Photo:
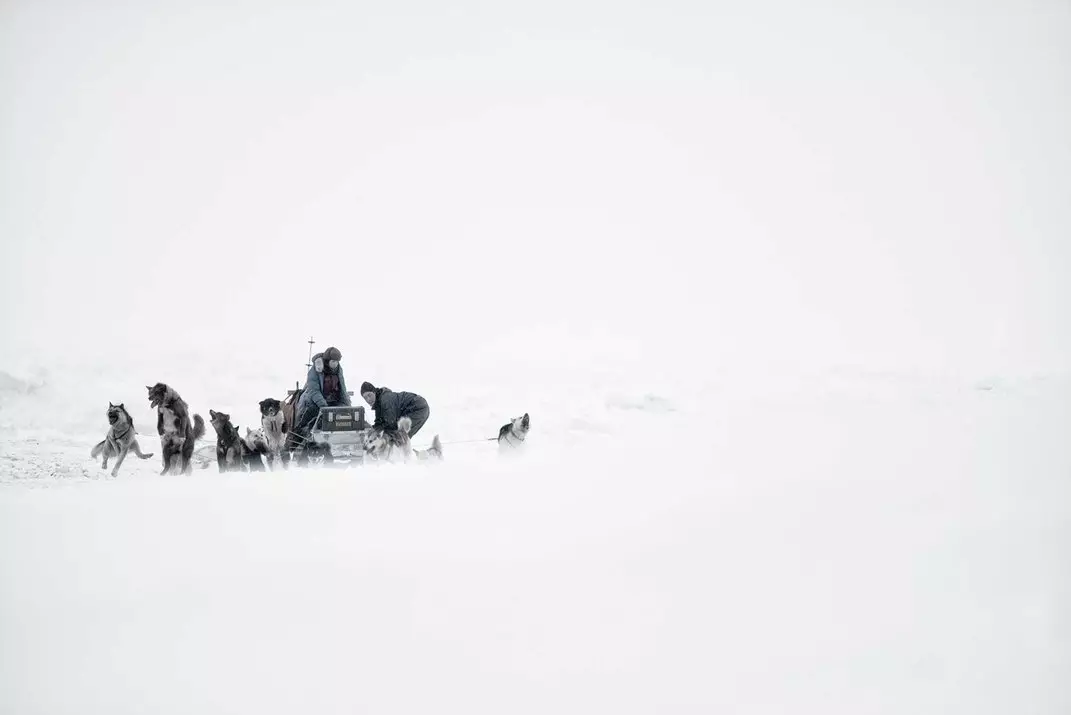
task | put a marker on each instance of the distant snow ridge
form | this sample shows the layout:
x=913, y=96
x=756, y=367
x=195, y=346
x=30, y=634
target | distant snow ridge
x=11, y=386
x=646, y=403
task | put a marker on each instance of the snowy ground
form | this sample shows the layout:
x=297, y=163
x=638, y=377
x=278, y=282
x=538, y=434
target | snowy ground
x=844, y=544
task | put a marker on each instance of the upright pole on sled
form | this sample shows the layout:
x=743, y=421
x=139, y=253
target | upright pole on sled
x=297, y=385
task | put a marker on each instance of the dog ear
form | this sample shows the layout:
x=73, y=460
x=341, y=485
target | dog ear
x=110, y=404
x=120, y=406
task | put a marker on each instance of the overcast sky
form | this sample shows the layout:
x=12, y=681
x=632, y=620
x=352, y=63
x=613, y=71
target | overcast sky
x=884, y=184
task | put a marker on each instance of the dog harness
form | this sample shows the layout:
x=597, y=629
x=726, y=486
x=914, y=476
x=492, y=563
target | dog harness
x=511, y=439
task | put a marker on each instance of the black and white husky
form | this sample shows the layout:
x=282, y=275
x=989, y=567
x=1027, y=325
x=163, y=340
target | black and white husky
x=385, y=445
x=513, y=433
x=273, y=422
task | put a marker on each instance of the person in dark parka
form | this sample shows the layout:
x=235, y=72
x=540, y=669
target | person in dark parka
x=389, y=406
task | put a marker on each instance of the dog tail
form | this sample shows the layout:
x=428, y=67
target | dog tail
x=95, y=452
x=405, y=424
x=198, y=427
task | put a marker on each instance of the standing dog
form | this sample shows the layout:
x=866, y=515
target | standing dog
x=177, y=432
x=394, y=445
x=273, y=422
x=229, y=447
x=121, y=438
x=513, y=434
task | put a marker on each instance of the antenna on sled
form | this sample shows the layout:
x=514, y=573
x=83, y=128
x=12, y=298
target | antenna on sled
x=311, y=343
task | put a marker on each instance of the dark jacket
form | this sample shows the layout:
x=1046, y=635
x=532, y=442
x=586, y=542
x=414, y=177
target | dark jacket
x=314, y=388
x=392, y=405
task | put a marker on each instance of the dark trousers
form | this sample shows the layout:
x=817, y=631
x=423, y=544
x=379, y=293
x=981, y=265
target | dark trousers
x=305, y=420
x=419, y=416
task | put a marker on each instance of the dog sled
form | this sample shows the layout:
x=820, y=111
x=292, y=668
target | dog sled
x=337, y=434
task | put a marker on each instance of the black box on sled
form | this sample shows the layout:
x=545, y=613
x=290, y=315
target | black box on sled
x=342, y=419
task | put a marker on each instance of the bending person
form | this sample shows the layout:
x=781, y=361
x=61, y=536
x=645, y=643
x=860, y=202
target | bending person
x=389, y=406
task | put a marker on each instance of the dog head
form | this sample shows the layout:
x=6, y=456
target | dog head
x=515, y=431
x=117, y=414
x=221, y=422
x=382, y=444
x=255, y=439
x=376, y=444
x=518, y=426
x=158, y=393
x=270, y=407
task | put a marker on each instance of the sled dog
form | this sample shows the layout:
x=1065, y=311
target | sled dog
x=177, y=432
x=513, y=434
x=395, y=446
x=121, y=438
x=255, y=444
x=229, y=447
x=273, y=422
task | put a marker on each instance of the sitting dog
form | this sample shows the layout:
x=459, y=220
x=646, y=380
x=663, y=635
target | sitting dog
x=513, y=434
x=273, y=422
x=395, y=446
x=177, y=432
x=229, y=446
x=255, y=443
x=121, y=439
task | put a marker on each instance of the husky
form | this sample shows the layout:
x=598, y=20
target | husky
x=395, y=446
x=229, y=447
x=122, y=437
x=513, y=434
x=254, y=444
x=275, y=426
x=177, y=432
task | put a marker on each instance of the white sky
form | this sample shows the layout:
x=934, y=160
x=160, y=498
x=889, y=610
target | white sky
x=888, y=186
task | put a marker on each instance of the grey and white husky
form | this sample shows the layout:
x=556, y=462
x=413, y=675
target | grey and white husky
x=177, y=432
x=229, y=447
x=255, y=445
x=513, y=434
x=122, y=437
x=385, y=445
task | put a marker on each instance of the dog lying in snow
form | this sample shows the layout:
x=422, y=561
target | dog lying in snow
x=273, y=422
x=121, y=439
x=513, y=434
x=177, y=432
x=394, y=445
